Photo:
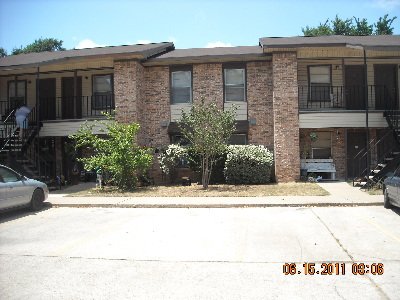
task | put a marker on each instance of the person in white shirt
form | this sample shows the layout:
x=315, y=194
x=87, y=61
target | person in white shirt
x=20, y=116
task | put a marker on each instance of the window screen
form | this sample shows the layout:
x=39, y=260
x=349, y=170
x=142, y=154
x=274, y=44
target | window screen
x=234, y=82
x=181, y=86
x=320, y=83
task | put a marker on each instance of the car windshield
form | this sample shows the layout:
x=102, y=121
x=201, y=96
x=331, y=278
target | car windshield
x=8, y=176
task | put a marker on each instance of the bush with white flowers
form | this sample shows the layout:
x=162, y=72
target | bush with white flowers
x=172, y=157
x=248, y=164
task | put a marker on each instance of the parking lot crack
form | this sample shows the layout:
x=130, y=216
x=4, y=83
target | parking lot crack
x=383, y=294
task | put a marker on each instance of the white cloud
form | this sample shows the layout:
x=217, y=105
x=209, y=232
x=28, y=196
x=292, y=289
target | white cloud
x=87, y=43
x=218, y=44
x=143, y=42
x=387, y=4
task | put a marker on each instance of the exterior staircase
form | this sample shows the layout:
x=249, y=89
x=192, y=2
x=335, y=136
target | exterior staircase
x=384, y=161
x=21, y=154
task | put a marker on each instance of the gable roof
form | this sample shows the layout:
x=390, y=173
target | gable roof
x=371, y=42
x=33, y=59
x=204, y=54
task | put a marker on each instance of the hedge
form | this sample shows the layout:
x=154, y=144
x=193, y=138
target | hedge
x=248, y=164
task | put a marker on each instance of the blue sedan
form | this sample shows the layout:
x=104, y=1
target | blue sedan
x=391, y=190
x=18, y=191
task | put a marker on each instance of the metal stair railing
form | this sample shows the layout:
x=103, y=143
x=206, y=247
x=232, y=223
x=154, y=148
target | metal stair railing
x=8, y=128
x=374, y=175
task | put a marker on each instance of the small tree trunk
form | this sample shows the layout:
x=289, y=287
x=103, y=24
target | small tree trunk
x=205, y=172
x=210, y=171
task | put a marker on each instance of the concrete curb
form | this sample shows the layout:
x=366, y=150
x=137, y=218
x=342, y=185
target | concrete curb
x=238, y=205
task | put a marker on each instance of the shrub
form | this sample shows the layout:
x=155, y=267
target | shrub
x=172, y=157
x=248, y=164
x=116, y=154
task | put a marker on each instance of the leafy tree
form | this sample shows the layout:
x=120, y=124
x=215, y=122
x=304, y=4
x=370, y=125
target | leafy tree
x=322, y=29
x=352, y=26
x=40, y=45
x=117, y=154
x=362, y=27
x=3, y=52
x=342, y=27
x=383, y=26
x=208, y=129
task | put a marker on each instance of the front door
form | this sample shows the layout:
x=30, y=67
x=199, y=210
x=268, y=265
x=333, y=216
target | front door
x=354, y=87
x=71, y=106
x=356, y=154
x=385, y=86
x=47, y=92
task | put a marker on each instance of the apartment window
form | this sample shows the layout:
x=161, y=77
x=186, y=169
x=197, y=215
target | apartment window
x=235, y=84
x=320, y=83
x=238, y=139
x=16, y=93
x=181, y=85
x=321, y=147
x=103, y=92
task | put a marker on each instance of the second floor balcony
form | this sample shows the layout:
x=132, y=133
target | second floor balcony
x=65, y=108
x=328, y=97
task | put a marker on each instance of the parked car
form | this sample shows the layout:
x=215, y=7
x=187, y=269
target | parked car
x=17, y=190
x=391, y=189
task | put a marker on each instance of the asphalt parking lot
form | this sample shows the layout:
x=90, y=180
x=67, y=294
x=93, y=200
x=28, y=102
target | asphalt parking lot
x=220, y=253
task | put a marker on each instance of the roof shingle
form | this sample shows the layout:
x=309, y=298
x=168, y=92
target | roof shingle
x=145, y=51
x=368, y=42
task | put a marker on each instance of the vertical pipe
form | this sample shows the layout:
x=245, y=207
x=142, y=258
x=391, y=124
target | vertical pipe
x=366, y=110
x=38, y=117
x=75, y=101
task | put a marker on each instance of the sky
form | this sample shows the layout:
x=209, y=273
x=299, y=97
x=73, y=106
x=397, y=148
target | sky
x=189, y=24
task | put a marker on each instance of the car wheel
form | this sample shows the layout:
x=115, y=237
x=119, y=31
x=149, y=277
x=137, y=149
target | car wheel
x=386, y=200
x=37, y=200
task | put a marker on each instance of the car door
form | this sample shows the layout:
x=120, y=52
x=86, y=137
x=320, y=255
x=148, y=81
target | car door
x=17, y=192
x=3, y=194
x=394, y=187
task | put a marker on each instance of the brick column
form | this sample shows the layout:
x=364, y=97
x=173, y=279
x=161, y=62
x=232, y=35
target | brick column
x=286, y=117
x=59, y=155
x=207, y=84
x=339, y=152
x=128, y=80
x=259, y=103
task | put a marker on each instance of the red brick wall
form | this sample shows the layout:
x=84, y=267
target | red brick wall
x=208, y=84
x=286, y=118
x=339, y=152
x=156, y=109
x=128, y=81
x=259, y=103
x=156, y=106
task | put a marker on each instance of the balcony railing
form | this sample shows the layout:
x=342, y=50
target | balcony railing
x=61, y=108
x=76, y=107
x=328, y=97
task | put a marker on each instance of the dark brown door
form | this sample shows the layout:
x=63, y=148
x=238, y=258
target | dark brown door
x=356, y=154
x=47, y=98
x=354, y=87
x=385, y=86
x=71, y=106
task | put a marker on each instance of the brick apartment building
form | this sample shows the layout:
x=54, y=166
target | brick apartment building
x=323, y=104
